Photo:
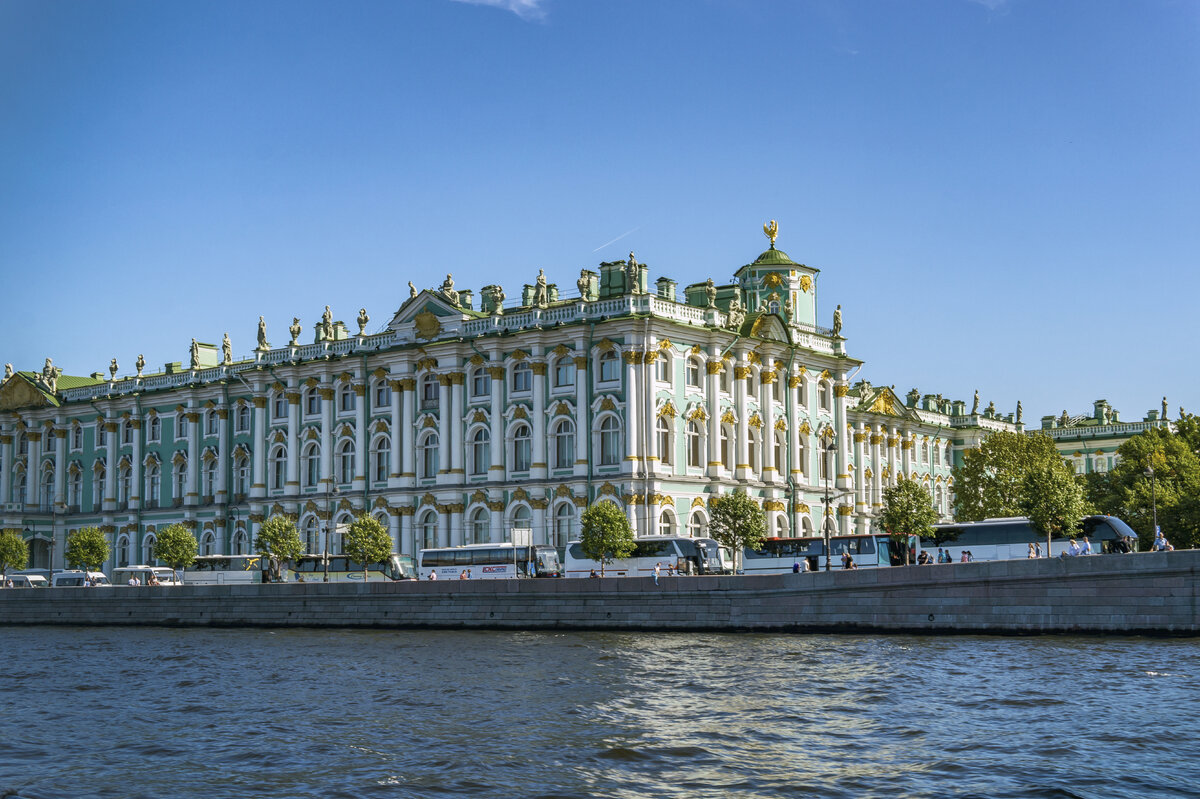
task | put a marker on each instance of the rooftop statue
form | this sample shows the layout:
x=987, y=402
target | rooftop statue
x=1164, y=416
x=194, y=352
x=497, y=298
x=141, y=364
x=584, y=284
x=8, y=371
x=710, y=293
x=991, y=409
x=837, y=321
x=412, y=290
x=771, y=230
x=262, y=334
x=226, y=350
x=541, y=294
x=736, y=316
x=295, y=330
x=327, y=324
x=1020, y=412
x=631, y=274
x=112, y=369
x=363, y=319
x=448, y=289
x=975, y=405
x=50, y=375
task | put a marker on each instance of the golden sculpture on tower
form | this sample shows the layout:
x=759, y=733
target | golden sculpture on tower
x=771, y=230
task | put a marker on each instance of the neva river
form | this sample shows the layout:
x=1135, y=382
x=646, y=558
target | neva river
x=251, y=713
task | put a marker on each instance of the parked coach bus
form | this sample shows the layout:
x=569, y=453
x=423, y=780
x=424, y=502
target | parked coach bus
x=488, y=562
x=224, y=569
x=1008, y=538
x=687, y=555
x=312, y=569
x=779, y=555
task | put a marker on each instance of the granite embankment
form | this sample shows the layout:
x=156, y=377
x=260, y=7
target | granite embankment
x=1152, y=593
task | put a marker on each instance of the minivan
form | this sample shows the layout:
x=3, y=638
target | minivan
x=77, y=579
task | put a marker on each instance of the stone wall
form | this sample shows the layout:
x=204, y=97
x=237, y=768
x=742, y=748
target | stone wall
x=1142, y=593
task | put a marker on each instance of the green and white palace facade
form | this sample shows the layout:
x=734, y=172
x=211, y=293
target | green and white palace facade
x=466, y=418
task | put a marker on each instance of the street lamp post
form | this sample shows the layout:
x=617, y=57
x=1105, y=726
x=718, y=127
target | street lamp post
x=1153, y=495
x=328, y=529
x=827, y=451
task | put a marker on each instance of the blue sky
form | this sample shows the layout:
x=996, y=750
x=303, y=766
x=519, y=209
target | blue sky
x=1003, y=196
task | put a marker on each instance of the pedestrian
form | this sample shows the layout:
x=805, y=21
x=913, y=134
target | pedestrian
x=593, y=574
x=432, y=575
x=796, y=567
x=468, y=574
x=133, y=580
x=847, y=560
x=964, y=557
x=462, y=575
x=1086, y=549
x=1160, y=543
x=657, y=570
x=1032, y=554
x=1037, y=548
x=670, y=569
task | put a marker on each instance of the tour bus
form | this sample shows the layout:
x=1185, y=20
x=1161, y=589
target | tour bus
x=224, y=569
x=1008, y=538
x=164, y=574
x=312, y=569
x=686, y=555
x=779, y=555
x=488, y=562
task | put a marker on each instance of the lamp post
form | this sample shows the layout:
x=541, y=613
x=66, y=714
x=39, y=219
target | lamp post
x=1153, y=495
x=826, y=451
x=333, y=495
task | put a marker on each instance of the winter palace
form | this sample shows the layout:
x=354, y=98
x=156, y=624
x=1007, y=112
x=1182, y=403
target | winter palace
x=468, y=417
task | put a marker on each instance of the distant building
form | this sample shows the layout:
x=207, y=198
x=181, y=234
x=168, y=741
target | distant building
x=1090, y=442
x=462, y=420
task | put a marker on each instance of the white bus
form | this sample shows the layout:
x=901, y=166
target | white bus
x=164, y=574
x=686, y=555
x=224, y=569
x=781, y=555
x=313, y=569
x=1009, y=538
x=488, y=562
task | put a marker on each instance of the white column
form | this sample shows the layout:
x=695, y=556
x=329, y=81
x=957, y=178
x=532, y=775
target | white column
x=112, y=453
x=713, y=386
x=135, y=477
x=907, y=443
x=742, y=429
x=497, y=520
x=496, y=470
x=445, y=426
x=456, y=426
x=793, y=416
x=33, y=468
x=843, y=447
x=60, y=466
x=396, y=439
x=629, y=465
x=195, y=464
x=653, y=458
x=360, y=436
x=394, y=531
x=583, y=417
x=258, y=486
x=221, y=490
x=876, y=472
x=408, y=474
x=404, y=522
x=456, y=525
x=769, y=473
x=860, y=483
x=537, y=467
x=292, y=485
x=6, y=456
x=328, y=396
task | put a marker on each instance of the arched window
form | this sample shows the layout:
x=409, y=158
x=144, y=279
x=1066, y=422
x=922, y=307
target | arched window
x=76, y=437
x=312, y=535
x=666, y=522
x=312, y=465
x=777, y=390
x=662, y=367
x=19, y=487
x=825, y=456
x=564, y=372
x=241, y=476
x=779, y=454
x=427, y=450
x=726, y=447
x=209, y=479
x=208, y=543
x=480, y=526
x=312, y=402
x=609, y=366
x=427, y=528
x=522, y=519
x=148, y=544
x=802, y=456
x=346, y=398
x=522, y=378
x=381, y=458
x=23, y=442
x=481, y=382
x=239, y=545
x=243, y=418
x=179, y=481
x=564, y=525
x=802, y=392
x=124, y=550
x=824, y=401
x=806, y=526
x=124, y=478
x=479, y=451
x=127, y=430
x=278, y=467
x=383, y=395
x=210, y=422
x=522, y=451
x=925, y=451
x=610, y=441
x=75, y=488
x=155, y=431
x=695, y=458
x=97, y=487
x=694, y=371
x=153, y=486
x=344, y=472
x=781, y=525
x=724, y=379
x=280, y=405
x=698, y=524
x=564, y=444
x=753, y=450
x=665, y=440
x=181, y=426
x=937, y=455
x=429, y=391
x=47, y=498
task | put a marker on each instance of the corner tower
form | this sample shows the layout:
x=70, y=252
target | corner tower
x=775, y=283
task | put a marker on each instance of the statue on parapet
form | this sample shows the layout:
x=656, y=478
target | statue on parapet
x=496, y=295
x=412, y=290
x=194, y=353
x=585, y=285
x=1020, y=412
x=226, y=350
x=975, y=404
x=448, y=289
x=736, y=315
x=631, y=274
x=294, y=331
x=1164, y=416
x=327, y=324
x=363, y=319
x=140, y=364
x=50, y=375
x=8, y=370
x=837, y=321
x=112, y=369
x=710, y=293
x=263, y=344
x=541, y=293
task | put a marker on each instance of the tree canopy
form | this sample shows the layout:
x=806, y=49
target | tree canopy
x=736, y=521
x=278, y=541
x=87, y=547
x=14, y=551
x=605, y=534
x=908, y=511
x=990, y=482
x=1053, y=500
x=367, y=542
x=175, y=546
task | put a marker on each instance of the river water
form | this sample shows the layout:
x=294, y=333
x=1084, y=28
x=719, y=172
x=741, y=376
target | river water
x=329, y=713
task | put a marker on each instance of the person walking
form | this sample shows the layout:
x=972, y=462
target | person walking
x=1160, y=542
x=657, y=571
x=1031, y=554
x=1086, y=548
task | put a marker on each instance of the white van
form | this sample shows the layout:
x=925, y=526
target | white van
x=163, y=575
x=26, y=581
x=79, y=579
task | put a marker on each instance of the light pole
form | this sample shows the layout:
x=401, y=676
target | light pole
x=1153, y=495
x=333, y=495
x=826, y=451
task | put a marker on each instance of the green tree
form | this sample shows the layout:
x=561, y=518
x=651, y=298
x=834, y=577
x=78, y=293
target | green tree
x=1053, y=500
x=278, y=541
x=907, y=511
x=176, y=547
x=605, y=534
x=737, y=521
x=87, y=547
x=990, y=482
x=14, y=552
x=367, y=542
x=1133, y=494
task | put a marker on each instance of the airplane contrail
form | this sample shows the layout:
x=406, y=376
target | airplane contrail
x=618, y=238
